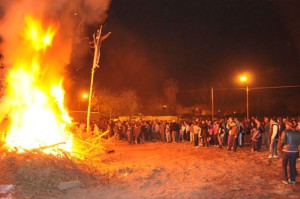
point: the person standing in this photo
(256, 135)
(236, 138)
(162, 128)
(247, 131)
(136, 133)
(191, 128)
(129, 133)
(222, 133)
(241, 134)
(260, 129)
(266, 133)
(173, 129)
(204, 133)
(143, 132)
(196, 131)
(181, 133)
(297, 128)
(210, 132)
(168, 133)
(187, 130)
(274, 133)
(233, 132)
(216, 127)
(290, 141)
(281, 123)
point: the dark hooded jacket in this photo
(290, 140)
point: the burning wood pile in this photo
(39, 146)
(36, 172)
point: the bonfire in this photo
(36, 117)
(40, 146)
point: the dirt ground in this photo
(178, 170)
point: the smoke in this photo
(65, 14)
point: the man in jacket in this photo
(266, 133)
(173, 130)
(290, 142)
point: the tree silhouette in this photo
(170, 91)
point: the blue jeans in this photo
(259, 143)
(174, 136)
(289, 158)
(240, 139)
(273, 146)
(196, 138)
(168, 136)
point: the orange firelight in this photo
(34, 95)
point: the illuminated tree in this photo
(108, 103)
(130, 102)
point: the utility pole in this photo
(247, 100)
(212, 103)
(97, 45)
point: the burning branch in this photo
(43, 148)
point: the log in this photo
(72, 163)
(50, 146)
(110, 151)
(69, 185)
(81, 141)
(41, 148)
(104, 133)
(99, 137)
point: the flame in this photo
(34, 95)
(35, 36)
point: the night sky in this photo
(198, 42)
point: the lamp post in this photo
(244, 79)
(212, 103)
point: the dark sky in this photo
(196, 41)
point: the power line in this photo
(250, 88)
(273, 87)
(208, 89)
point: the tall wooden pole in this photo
(247, 101)
(212, 103)
(97, 45)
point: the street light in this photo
(83, 97)
(244, 79)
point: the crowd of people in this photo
(276, 134)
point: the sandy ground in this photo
(178, 170)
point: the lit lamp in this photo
(244, 79)
(85, 96)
